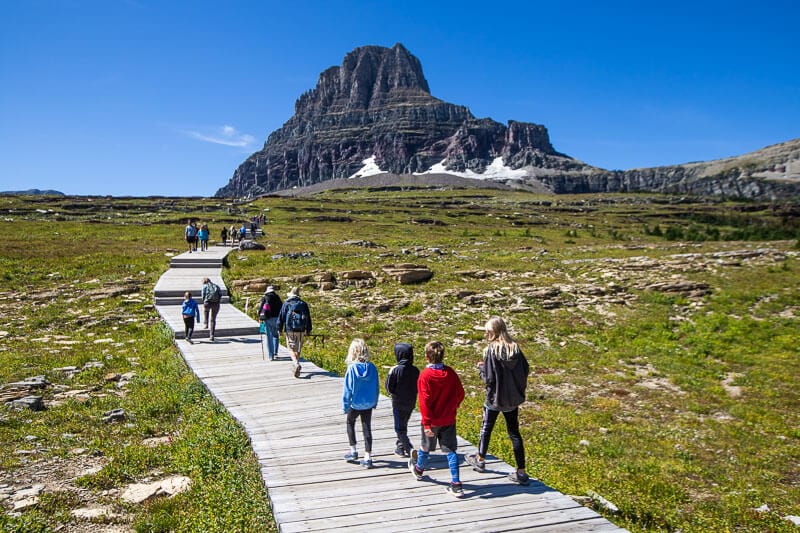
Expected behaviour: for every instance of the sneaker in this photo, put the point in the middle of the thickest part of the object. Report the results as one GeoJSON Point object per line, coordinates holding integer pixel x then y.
{"type": "Point", "coordinates": [412, 466]}
{"type": "Point", "coordinates": [400, 451]}
{"type": "Point", "coordinates": [366, 463]}
{"type": "Point", "coordinates": [455, 490]}
{"type": "Point", "coordinates": [351, 457]}
{"type": "Point", "coordinates": [211, 338]}
{"type": "Point", "coordinates": [297, 371]}
{"type": "Point", "coordinates": [475, 462]}
{"type": "Point", "coordinates": [189, 340]}
{"type": "Point", "coordinates": [519, 479]}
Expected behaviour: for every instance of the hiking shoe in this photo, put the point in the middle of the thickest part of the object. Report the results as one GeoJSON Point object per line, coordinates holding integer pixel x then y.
{"type": "Point", "coordinates": [211, 338]}
{"type": "Point", "coordinates": [455, 490]}
{"type": "Point", "coordinates": [297, 370]}
{"type": "Point", "coordinates": [519, 479]}
{"type": "Point", "coordinates": [366, 463]}
{"type": "Point", "coordinates": [475, 462]}
{"type": "Point", "coordinates": [351, 457]}
{"type": "Point", "coordinates": [189, 340]}
{"type": "Point", "coordinates": [400, 451]}
{"type": "Point", "coordinates": [412, 466]}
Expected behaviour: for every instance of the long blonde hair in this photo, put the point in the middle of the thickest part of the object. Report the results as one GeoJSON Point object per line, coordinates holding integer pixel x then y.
{"type": "Point", "coordinates": [358, 351]}
{"type": "Point", "coordinates": [500, 342]}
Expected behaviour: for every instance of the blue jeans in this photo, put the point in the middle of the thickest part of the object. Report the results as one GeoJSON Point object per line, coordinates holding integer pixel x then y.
{"type": "Point", "coordinates": [272, 337]}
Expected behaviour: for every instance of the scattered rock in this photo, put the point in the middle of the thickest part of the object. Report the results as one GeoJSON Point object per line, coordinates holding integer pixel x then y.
{"type": "Point", "coordinates": [116, 415]}
{"type": "Point", "coordinates": [793, 519]}
{"type": "Point", "coordinates": [251, 245]}
{"type": "Point", "coordinates": [363, 244]}
{"type": "Point", "coordinates": [154, 442]}
{"type": "Point", "coordinates": [734, 391]}
{"type": "Point", "coordinates": [34, 403]}
{"type": "Point", "coordinates": [141, 492]}
{"type": "Point", "coordinates": [602, 502]}
{"type": "Point", "coordinates": [35, 382]}
{"type": "Point", "coordinates": [97, 513]}
{"type": "Point", "coordinates": [407, 273]}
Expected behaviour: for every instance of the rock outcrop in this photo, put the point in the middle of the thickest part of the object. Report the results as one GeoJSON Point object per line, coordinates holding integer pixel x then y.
{"type": "Point", "coordinates": [375, 114]}
{"type": "Point", "coordinates": [374, 118]}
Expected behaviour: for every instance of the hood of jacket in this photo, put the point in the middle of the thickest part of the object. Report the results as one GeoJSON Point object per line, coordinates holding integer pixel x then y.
{"type": "Point", "coordinates": [403, 352]}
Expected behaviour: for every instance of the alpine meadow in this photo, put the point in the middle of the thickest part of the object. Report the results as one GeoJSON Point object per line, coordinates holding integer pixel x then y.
{"type": "Point", "coordinates": [662, 334]}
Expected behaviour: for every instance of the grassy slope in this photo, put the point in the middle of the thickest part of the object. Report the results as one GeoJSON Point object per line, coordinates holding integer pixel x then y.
{"type": "Point", "coordinates": [680, 454]}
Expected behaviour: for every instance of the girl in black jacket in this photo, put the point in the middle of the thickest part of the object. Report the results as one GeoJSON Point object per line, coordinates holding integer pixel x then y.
{"type": "Point", "coordinates": [504, 370]}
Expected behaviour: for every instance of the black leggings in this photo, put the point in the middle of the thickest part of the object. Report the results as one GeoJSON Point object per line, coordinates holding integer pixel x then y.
{"type": "Point", "coordinates": [188, 326]}
{"type": "Point", "coordinates": [366, 427]}
{"type": "Point", "coordinates": [512, 424]}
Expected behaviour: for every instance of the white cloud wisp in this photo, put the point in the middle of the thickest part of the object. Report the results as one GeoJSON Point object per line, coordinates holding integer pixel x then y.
{"type": "Point", "coordinates": [226, 136]}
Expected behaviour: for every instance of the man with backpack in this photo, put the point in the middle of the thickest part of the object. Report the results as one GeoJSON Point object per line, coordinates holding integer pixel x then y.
{"type": "Point", "coordinates": [295, 320]}
{"type": "Point", "coordinates": [269, 308]}
{"type": "Point", "coordinates": [211, 295]}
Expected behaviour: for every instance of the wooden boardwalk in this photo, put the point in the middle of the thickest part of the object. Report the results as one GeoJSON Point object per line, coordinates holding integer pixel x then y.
{"type": "Point", "coordinates": [297, 431]}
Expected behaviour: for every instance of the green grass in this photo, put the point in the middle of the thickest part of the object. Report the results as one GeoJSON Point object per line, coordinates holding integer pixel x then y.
{"type": "Point", "coordinates": [642, 382]}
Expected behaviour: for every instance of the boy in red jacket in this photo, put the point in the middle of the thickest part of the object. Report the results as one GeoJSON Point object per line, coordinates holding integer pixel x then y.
{"type": "Point", "coordinates": [440, 394]}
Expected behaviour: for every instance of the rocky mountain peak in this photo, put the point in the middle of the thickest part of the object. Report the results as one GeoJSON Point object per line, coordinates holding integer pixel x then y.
{"type": "Point", "coordinates": [375, 114]}
{"type": "Point", "coordinates": [370, 77]}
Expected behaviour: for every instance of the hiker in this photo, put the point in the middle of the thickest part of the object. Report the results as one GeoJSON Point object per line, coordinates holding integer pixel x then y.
{"type": "Point", "coordinates": [190, 312]}
{"type": "Point", "coordinates": [440, 394]}
{"type": "Point", "coordinates": [189, 233]}
{"type": "Point", "coordinates": [359, 398]}
{"type": "Point", "coordinates": [211, 295]}
{"type": "Point", "coordinates": [224, 236]}
{"type": "Point", "coordinates": [504, 370]}
{"type": "Point", "coordinates": [194, 240]}
{"type": "Point", "coordinates": [242, 233]}
{"type": "Point", "coordinates": [401, 384]}
{"type": "Point", "coordinates": [268, 311]}
{"type": "Point", "coordinates": [295, 320]}
{"type": "Point", "coordinates": [233, 233]}
{"type": "Point", "coordinates": [253, 230]}
{"type": "Point", "coordinates": [203, 236]}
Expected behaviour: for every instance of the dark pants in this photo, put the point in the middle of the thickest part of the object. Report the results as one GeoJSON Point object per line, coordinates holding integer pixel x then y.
{"type": "Point", "coordinates": [366, 427]}
{"type": "Point", "coordinates": [401, 417]}
{"type": "Point", "coordinates": [512, 424]}
{"type": "Point", "coordinates": [188, 326]}
{"type": "Point", "coordinates": [213, 309]}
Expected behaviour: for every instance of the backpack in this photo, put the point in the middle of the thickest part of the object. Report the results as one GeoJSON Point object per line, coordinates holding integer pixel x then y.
{"type": "Point", "coordinates": [214, 295]}
{"type": "Point", "coordinates": [263, 311]}
{"type": "Point", "coordinates": [297, 317]}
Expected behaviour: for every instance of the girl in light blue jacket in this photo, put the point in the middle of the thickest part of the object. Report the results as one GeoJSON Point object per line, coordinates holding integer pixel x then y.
{"type": "Point", "coordinates": [359, 398]}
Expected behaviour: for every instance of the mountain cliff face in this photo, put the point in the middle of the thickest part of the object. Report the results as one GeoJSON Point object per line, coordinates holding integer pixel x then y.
{"type": "Point", "coordinates": [375, 114]}
{"type": "Point", "coordinates": [377, 104]}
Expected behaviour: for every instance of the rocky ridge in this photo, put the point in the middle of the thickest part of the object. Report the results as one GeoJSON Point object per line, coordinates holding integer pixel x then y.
{"type": "Point", "coordinates": [374, 114]}
{"type": "Point", "coordinates": [374, 118]}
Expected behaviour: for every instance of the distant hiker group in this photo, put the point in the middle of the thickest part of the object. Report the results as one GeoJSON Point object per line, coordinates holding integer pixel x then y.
{"type": "Point", "coordinates": [197, 235]}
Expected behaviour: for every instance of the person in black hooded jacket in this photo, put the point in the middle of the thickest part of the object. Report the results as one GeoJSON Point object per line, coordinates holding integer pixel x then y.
{"type": "Point", "coordinates": [504, 370]}
{"type": "Point", "coordinates": [401, 384]}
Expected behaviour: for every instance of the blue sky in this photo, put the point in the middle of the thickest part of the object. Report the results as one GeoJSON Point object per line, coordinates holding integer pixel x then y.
{"type": "Point", "coordinates": [146, 97]}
